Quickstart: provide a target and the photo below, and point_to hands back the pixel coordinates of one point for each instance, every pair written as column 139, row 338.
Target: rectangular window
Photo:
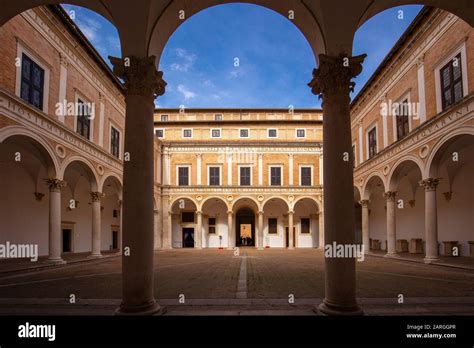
column 301, row 133
column 187, row 133
column 32, row 82
column 164, row 118
column 187, row 216
column 212, row 225
column 115, row 142
column 272, row 226
column 245, row 176
column 272, row 133
column 372, row 135
column 243, row 133
column 305, row 225
column 353, row 156
column 215, row 133
column 83, row 119
column 214, row 176
column 218, row 117
column 183, row 176
column 275, row 176
column 160, row 133
column 401, row 118
column 451, row 82
column 305, row 176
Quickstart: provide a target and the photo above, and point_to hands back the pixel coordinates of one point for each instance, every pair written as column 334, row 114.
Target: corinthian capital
column 97, row 196
column 390, row 196
column 364, row 203
column 55, row 184
column 429, row 184
column 334, row 74
column 140, row 75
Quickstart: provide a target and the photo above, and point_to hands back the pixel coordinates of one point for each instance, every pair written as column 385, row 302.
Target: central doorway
column 188, row 237
column 245, row 227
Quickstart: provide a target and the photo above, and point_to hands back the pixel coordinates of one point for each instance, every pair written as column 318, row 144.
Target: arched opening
column 111, row 206
column 374, row 193
column 25, row 165
column 231, row 73
column 410, row 207
column 215, row 228
column 276, row 224
column 77, row 215
column 245, row 227
column 183, row 223
column 452, row 164
column 307, row 224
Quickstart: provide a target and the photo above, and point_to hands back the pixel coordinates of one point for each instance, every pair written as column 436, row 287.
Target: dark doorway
column 245, row 227
column 288, row 239
column 114, row 240
column 188, row 237
column 67, row 240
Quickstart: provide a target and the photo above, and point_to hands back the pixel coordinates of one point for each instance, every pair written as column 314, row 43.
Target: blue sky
column 274, row 60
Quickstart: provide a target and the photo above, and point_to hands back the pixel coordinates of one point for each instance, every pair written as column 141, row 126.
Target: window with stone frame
column 305, row 225
column 212, row 226
column 272, row 226
column 114, row 142
column 451, row 82
column 183, row 176
column 305, row 173
column 372, row 135
column 32, row 82
column 401, row 119
column 83, row 126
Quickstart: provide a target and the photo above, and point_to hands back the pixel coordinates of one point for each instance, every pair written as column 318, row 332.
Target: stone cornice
column 90, row 74
column 283, row 148
column 241, row 190
column 32, row 118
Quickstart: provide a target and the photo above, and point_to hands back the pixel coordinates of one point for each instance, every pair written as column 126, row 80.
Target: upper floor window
column 114, row 142
column 245, row 176
column 301, row 133
column 215, row 133
column 164, row 118
column 218, row 117
column 244, row 133
column 272, row 133
column 32, row 82
column 275, row 176
column 401, row 119
column 183, row 176
column 305, row 225
column 372, row 140
column 353, row 156
column 451, row 82
column 214, row 176
column 187, row 133
column 305, row 176
column 83, row 119
column 160, row 133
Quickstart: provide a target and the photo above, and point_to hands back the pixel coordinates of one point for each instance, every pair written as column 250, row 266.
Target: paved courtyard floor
column 256, row 282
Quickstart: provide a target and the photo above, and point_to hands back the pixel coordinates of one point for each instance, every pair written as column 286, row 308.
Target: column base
column 326, row 308
column 390, row 255
column 431, row 259
column 55, row 261
column 152, row 308
column 95, row 256
column 260, row 248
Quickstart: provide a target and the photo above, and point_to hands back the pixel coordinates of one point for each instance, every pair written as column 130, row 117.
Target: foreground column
column 290, row 230
column 143, row 83
column 260, row 241
column 230, row 229
column 431, row 220
column 96, row 224
column 321, row 230
column 365, row 225
column 199, row 230
column 55, row 220
column 390, row 196
column 332, row 82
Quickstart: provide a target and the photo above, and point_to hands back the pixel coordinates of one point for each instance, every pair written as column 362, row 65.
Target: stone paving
column 212, row 279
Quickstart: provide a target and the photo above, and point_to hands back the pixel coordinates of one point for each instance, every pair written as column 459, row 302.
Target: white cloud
column 185, row 60
column 187, row 94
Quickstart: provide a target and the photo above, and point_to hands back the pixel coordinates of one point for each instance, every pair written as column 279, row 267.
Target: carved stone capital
column 429, row 184
column 334, row 74
column 364, row 203
column 97, row 196
column 63, row 60
column 140, row 75
column 55, row 184
column 390, row 196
